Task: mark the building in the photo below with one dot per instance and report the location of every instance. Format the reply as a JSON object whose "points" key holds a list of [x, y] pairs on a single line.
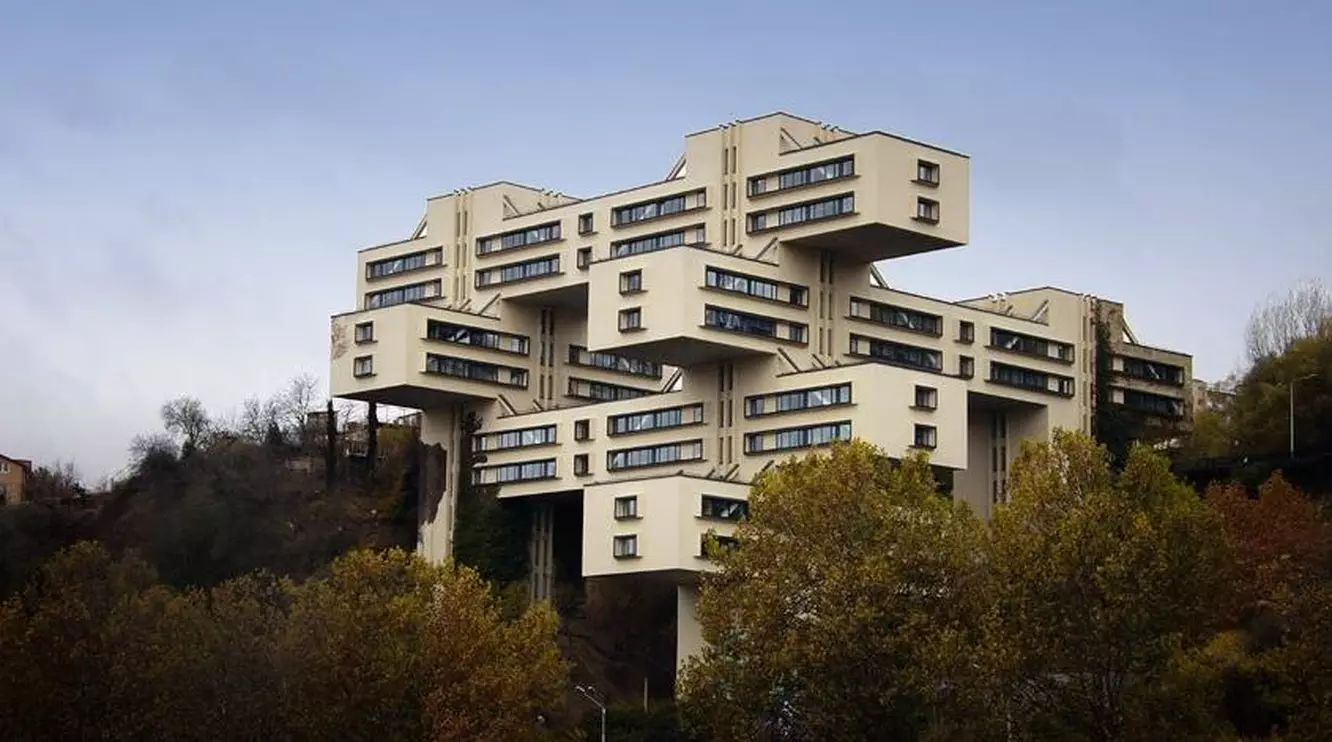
{"points": [[1212, 395], [645, 353], [14, 476]]}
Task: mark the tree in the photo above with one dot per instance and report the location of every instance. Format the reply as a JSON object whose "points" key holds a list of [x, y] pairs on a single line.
{"points": [[1100, 595], [186, 418], [55, 482], [848, 566], [1262, 403], [1305, 311]]}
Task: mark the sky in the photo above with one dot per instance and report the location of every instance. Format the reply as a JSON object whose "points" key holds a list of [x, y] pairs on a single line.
{"points": [[184, 185]]}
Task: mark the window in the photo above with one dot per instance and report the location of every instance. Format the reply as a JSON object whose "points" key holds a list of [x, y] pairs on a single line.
{"points": [[400, 264], [580, 356], [711, 543], [365, 332], [1025, 378], [1162, 373], [803, 437], [724, 508], [648, 210], [897, 354], [522, 471], [899, 317], [802, 176], [799, 213], [518, 271], [798, 399], [1029, 345], [580, 465], [660, 241], [752, 324], [631, 319], [626, 507], [363, 366], [1153, 404], [447, 332], [966, 366], [626, 547], [518, 238], [603, 392], [585, 224], [639, 422], [582, 430], [402, 295], [584, 258], [4, 467], [927, 173], [927, 398], [966, 332], [463, 368], [761, 288], [542, 435], [925, 437], [632, 458], [927, 210], [631, 281]]}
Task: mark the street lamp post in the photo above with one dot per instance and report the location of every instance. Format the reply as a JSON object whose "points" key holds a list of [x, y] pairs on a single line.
{"points": [[588, 693], [1292, 410]]}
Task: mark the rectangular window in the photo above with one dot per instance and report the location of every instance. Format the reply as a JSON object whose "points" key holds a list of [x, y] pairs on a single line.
{"points": [[626, 507], [1153, 404], [966, 366], [402, 295], [365, 332], [927, 173], [363, 366], [1160, 373], [518, 238], [584, 258], [752, 324], [927, 398], [802, 437], [1025, 378], [648, 210], [899, 317], [522, 471], [927, 210], [523, 271], [631, 319], [761, 288], [798, 399], [641, 422], [401, 264], [659, 241], [897, 354], [541, 435], [581, 465], [626, 547], [723, 508], [926, 436], [600, 391], [1029, 345], [812, 211], [631, 282], [585, 224], [582, 430], [447, 332], [966, 332], [462, 368], [669, 453], [580, 356], [802, 176]]}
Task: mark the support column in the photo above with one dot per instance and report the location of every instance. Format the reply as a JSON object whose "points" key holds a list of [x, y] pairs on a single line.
{"points": [[688, 632], [541, 552]]}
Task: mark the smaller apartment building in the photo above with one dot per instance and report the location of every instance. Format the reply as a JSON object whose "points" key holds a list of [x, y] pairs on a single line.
{"points": [[14, 474], [637, 358]]}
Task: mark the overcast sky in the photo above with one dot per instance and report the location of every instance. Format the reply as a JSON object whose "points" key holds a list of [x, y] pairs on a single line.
{"points": [[184, 185]]}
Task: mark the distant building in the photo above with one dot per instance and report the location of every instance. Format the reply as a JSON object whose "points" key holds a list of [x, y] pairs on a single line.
{"points": [[1212, 396], [14, 477]]}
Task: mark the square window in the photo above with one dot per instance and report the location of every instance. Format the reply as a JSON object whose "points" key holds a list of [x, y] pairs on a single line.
{"points": [[927, 173], [584, 257], [966, 332], [582, 430], [365, 332], [626, 547], [631, 319], [797, 333], [927, 210], [631, 281], [799, 296], [723, 508], [580, 464], [927, 398], [363, 366], [626, 507], [585, 224], [925, 436], [966, 366]]}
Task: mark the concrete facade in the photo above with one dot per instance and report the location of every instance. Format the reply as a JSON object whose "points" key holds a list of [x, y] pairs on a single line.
{"points": [[664, 344], [14, 475]]}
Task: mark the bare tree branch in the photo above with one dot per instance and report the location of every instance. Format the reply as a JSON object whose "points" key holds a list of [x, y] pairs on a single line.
{"points": [[1304, 311]]}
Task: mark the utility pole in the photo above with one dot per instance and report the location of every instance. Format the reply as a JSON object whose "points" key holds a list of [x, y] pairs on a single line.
{"points": [[589, 693]]}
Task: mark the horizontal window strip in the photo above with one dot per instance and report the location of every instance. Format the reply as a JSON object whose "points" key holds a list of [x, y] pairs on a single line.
{"points": [[892, 315], [537, 235], [463, 368], [648, 210], [1030, 345], [642, 422], [500, 274], [1153, 404], [896, 354], [602, 392], [659, 241], [402, 294], [1153, 371], [759, 288], [811, 211], [1026, 378], [753, 324], [807, 436], [501, 440], [581, 356], [522, 471], [666, 453], [797, 399], [403, 263], [447, 332], [802, 176]]}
